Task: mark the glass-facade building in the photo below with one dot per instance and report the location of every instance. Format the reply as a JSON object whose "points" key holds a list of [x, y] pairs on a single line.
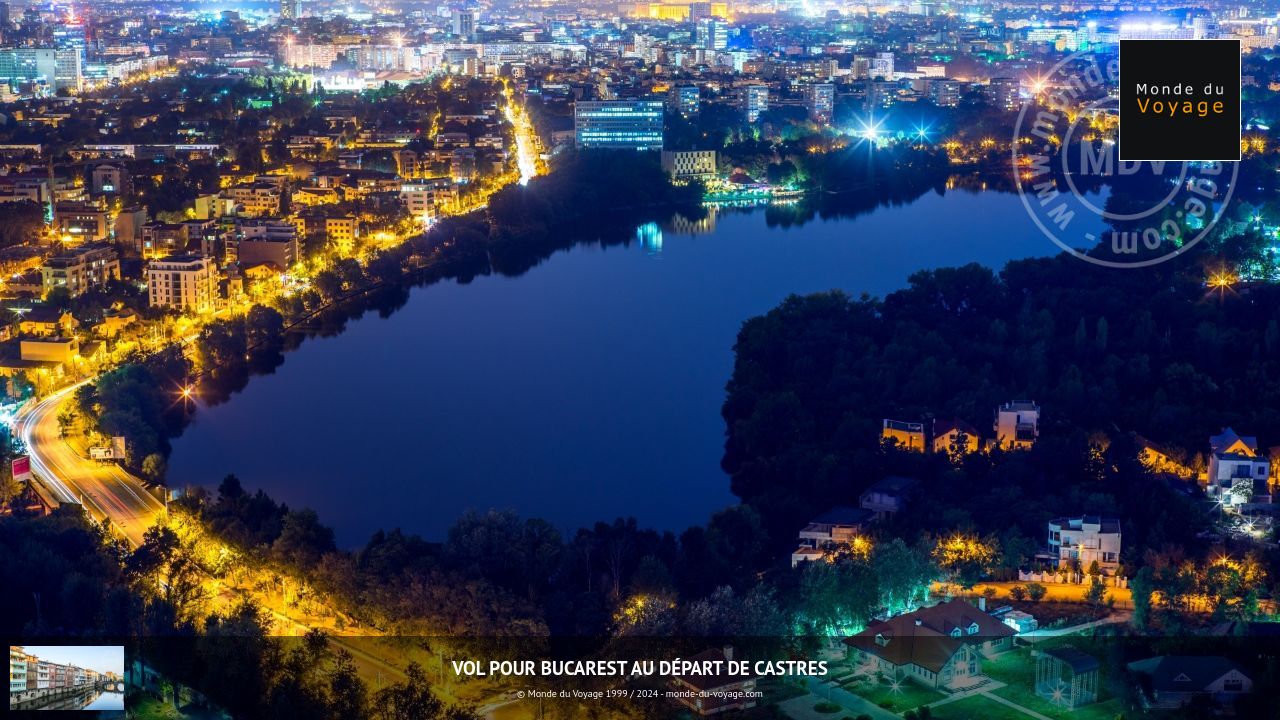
{"points": [[618, 124]]}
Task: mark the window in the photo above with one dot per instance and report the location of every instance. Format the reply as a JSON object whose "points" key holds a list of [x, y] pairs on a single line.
{"points": [[1233, 685], [955, 632], [973, 629]]}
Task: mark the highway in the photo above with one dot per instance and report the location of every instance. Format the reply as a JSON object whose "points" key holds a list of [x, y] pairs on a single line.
{"points": [[111, 495]]}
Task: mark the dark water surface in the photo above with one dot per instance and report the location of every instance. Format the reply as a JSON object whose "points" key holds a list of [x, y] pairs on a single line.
{"points": [[586, 389]]}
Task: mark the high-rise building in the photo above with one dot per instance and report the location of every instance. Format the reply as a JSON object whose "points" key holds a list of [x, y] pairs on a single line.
{"points": [[464, 24], [820, 101], [755, 100], [290, 9], [183, 282], [712, 34], [618, 124], [1003, 92], [69, 69], [684, 99], [882, 65]]}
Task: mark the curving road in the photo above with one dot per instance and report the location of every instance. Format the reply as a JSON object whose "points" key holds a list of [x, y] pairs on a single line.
{"points": [[111, 495], [122, 502]]}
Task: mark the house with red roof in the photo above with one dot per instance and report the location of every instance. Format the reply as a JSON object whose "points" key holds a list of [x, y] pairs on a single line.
{"points": [[940, 647]]}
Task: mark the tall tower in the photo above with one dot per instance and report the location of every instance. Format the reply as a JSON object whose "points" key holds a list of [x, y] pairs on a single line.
{"points": [[290, 9], [464, 24]]}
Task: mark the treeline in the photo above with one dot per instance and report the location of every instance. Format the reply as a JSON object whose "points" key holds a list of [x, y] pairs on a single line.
{"points": [[495, 574], [1105, 354]]}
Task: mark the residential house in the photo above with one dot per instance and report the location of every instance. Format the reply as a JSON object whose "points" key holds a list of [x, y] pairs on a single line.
{"points": [[1085, 540], [46, 321], [1017, 425], [114, 321], [60, 350], [955, 436], [888, 495], [708, 694], [1237, 471], [940, 647], [907, 435], [1171, 681], [838, 527], [17, 669]]}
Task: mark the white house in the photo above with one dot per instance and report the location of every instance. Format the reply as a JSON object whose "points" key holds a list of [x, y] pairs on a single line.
{"points": [[1087, 539], [1236, 468], [1017, 425]]}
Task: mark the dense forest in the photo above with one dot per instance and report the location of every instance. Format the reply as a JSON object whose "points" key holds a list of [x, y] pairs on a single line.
{"points": [[1106, 354]]}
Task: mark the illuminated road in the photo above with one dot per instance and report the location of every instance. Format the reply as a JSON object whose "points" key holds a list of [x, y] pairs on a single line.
{"points": [[526, 140], [110, 494]]}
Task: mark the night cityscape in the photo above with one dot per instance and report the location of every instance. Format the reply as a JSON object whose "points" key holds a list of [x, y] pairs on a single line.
{"points": [[524, 359]]}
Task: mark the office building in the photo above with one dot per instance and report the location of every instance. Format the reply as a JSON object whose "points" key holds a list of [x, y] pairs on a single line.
{"points": [[882, 66], [463, 24], [32, 70], [690, 164], [618, 124], [712, 34], [69, 69], [290, 9]]}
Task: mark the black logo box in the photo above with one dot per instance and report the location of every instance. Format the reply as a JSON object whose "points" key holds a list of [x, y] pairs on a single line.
{"points": [[1181, 137]]}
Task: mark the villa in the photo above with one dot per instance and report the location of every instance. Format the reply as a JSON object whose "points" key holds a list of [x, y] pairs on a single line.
{"points": [[941, 647]]}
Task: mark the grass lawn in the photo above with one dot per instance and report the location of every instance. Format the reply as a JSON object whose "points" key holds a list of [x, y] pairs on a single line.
{"points": [[909, 695], [977, 708], [1017, 669]]}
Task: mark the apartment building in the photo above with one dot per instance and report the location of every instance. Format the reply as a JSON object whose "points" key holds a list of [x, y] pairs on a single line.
{"points": [[80, 269], [188, 283]]}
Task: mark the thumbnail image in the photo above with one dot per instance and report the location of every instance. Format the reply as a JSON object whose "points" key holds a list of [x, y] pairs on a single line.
{"points": [[66, 677]]}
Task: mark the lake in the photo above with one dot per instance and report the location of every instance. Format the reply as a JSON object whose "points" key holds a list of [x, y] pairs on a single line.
{"points": [[586, 389]]}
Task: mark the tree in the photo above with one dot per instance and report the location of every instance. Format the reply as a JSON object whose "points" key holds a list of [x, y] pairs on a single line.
{"points": [[20, 222], [9, 488], [903, 575], [1036, 591], [303, 540], [154, 467], [349, 698], [1141, 587], [1097, 593], [410, 699], [1018, 592], [966, 557]]}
